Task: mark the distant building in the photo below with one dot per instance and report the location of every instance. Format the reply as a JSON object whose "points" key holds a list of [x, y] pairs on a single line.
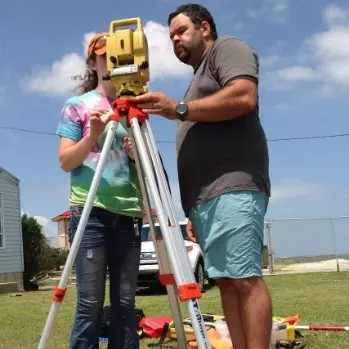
{"points": [[63, 229], [11, 244]]}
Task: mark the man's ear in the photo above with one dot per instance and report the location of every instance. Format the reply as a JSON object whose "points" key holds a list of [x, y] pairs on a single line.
{"points": [[205, 29]]}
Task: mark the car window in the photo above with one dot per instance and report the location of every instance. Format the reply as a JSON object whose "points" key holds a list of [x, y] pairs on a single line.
{"points": [[145, 233], [184, 233]]}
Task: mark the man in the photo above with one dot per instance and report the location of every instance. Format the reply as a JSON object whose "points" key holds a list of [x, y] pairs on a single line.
{"points": [[222, 166]]}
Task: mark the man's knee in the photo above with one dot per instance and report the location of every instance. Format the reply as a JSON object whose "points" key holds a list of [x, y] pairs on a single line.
{"points": [[242, 286]]}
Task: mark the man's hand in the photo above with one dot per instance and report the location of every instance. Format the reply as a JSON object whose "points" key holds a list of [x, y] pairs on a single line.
{"points": [[99, 118], [190, 231], [156, 103]]}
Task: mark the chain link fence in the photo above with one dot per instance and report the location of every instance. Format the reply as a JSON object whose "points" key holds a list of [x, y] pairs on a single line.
{"points": [[316, 244]]}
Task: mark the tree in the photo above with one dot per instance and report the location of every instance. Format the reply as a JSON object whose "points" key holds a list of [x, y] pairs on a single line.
{"points": [[57, 258], [35, 249]]}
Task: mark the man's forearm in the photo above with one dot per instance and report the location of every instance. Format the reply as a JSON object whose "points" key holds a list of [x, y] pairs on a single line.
{"points": [[226, 104], [73, 156]]}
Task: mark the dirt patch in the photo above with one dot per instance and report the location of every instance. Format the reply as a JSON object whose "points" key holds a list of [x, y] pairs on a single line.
{"points": [[323, 266]]}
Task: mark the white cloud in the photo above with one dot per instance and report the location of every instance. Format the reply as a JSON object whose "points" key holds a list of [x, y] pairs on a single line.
{"points": [[282, 106], [163, 62], [48, 228], [297, 73], [330, 45], [292, 188], [283, 79], [278, 10], [335, 15], [270, 60], [85, 42], [323, 57], [278, 6], [56, 80]]}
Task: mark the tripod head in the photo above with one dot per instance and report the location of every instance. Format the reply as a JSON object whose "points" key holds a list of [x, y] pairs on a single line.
{"points": [[127, 58]]}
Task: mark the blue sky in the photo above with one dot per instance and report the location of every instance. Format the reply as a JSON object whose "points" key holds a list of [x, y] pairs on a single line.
{"points": [[304, 52]]}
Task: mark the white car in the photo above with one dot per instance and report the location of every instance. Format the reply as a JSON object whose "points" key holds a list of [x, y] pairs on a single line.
{"points": [[149, 269]]}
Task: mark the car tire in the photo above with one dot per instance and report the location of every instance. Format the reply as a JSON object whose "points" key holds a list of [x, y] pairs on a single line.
{"points": [[200, 274]]}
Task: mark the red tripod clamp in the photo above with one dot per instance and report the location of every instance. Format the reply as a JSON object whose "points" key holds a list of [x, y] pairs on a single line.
{"points": [[58, 294], [122, 107]]}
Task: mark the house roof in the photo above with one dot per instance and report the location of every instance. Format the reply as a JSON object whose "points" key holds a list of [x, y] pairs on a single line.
{"points": [[2, 170], [60, 217]]}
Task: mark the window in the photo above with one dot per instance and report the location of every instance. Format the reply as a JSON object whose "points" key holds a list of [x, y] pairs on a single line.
{"points": [[184, 232], [146, 236], [1, 222], [145, 233]]}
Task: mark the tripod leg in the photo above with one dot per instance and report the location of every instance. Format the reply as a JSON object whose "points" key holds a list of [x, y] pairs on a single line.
{"points": [[59, 294], [193, 304], [164, 266], [152, 187], [188, 290], [148, 135]]}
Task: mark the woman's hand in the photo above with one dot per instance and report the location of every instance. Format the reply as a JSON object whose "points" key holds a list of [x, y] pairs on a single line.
{"points": [[128, 147], [99, 118]]}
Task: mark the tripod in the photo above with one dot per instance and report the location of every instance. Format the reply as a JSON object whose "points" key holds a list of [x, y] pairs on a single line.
{"points": [[174, 266]]}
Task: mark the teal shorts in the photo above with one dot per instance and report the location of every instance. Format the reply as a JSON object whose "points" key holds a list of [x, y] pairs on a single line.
{"points": [[230, 231]]}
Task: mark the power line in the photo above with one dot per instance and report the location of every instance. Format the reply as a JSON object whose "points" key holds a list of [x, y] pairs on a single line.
{"points": [[309, 137], [293, 138], [27, 130], [337, 135]]}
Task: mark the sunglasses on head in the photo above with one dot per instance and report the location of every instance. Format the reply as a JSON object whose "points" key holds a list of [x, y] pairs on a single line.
{"points": [[98, 44]]}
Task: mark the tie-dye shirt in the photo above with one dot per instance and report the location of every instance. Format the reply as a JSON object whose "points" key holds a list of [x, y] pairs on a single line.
{"points": [[119, 190]]}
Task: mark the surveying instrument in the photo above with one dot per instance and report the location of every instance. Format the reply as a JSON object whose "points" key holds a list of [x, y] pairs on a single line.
{"points": [[128, 71]]}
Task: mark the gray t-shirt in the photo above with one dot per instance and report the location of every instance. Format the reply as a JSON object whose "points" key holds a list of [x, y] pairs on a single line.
{"points": [[218, 157]]}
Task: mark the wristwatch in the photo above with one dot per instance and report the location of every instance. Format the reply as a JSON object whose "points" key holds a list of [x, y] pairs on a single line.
{"points": [[182, 111]]}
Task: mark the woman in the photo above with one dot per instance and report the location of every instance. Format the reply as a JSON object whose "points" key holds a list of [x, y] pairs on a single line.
{"points": [[111, 238]]}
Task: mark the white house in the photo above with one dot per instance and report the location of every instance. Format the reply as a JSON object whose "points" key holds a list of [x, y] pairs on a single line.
{"points": [[11, 245]]}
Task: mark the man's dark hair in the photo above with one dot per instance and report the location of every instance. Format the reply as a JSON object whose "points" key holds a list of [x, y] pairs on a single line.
{"points": [[197, 15]]}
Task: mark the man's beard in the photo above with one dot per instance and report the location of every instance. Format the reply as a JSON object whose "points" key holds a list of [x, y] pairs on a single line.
{"points": [[184, 55]]}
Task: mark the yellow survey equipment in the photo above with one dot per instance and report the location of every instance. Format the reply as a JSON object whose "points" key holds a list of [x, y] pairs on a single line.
{"points": [[127, 57]]}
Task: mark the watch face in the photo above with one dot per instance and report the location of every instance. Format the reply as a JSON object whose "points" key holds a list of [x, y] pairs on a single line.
{"points": [[182, 108]]}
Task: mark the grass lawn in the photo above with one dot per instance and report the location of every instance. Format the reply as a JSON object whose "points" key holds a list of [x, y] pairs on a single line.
{"points": [[320, 299]]}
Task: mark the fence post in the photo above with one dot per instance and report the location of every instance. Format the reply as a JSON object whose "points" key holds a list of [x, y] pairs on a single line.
{"points": [[334, 243], [270, 247]]}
